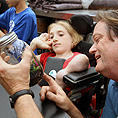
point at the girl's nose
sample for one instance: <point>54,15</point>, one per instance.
<point>54,38</point>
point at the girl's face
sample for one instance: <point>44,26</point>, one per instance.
<point>62,41</point>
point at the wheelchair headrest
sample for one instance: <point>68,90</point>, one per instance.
<point>83,24</point>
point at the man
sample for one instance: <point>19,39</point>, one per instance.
<point>105,48</point>
<point>105,37</point>
<point>25,106</point>
<point>21,19</point>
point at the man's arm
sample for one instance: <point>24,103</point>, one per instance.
<point>25,107</point>
<point>55,93</point>
<point>15,78</point>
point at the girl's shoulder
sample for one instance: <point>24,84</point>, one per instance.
<point>76,53</point>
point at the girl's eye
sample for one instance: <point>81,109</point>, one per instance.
<point>61,34</point>
<point>51,37</point>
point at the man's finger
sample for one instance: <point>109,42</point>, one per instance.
<point>53,97</point>
<point>7,58</point>
<point>2,62</point>
<point>43,91</point>
<point>3,54</point>
<point>49,79</point>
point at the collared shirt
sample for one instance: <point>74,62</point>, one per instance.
<point>111,104</point>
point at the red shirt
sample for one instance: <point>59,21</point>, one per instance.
<point>44,56</point>
<point>43,60</point>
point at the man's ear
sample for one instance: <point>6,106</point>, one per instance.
<point>113,35</point>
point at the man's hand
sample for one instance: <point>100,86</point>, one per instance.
<point>16,77</point>
<point>55,93</point>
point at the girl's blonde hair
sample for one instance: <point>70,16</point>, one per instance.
<point>75,36</point>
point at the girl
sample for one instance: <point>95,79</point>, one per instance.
<point>60,39</point>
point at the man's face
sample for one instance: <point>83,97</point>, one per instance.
<point>105,50</point>
<point>12,3</point>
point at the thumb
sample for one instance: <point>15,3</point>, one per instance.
<point>27,55</point>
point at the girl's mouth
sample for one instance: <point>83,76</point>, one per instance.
<point>56,44</point>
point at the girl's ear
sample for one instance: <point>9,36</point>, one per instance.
<point>73,45</point>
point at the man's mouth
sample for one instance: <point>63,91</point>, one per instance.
<point>97,57</point>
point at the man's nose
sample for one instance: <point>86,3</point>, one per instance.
<point>93,49</point>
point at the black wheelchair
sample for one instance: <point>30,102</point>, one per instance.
<point>90,108</point>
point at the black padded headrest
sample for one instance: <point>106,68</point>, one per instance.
<point>83,24</point>
<point>83,47</point>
